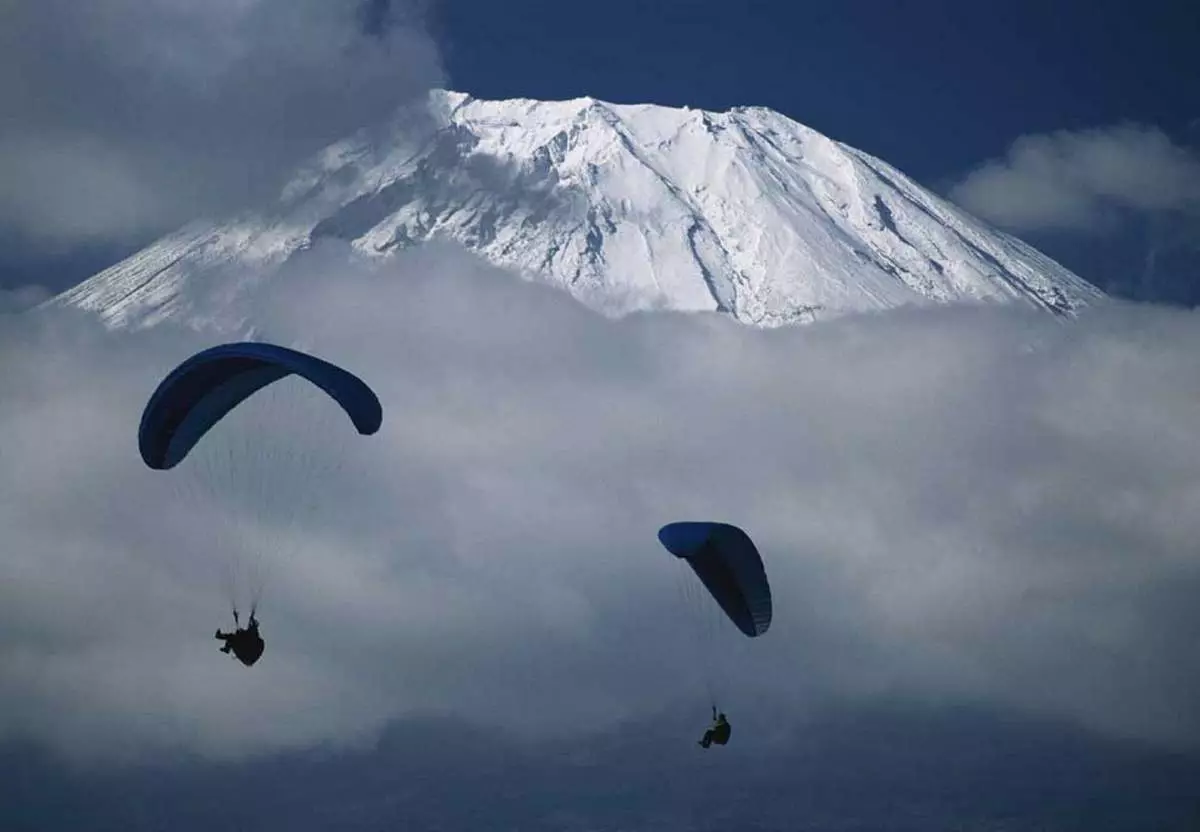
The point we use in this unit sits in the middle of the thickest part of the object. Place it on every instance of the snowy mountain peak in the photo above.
(626, 206)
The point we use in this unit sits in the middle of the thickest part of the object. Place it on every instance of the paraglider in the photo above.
(728, 565)
(198, 394)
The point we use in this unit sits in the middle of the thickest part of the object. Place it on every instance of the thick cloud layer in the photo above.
(1074, 180)
(959, 505)
(124, 117)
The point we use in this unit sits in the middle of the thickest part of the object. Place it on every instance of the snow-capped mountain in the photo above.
(625, 206)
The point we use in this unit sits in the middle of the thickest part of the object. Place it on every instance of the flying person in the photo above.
(246, 644)
(728, 565)
(719, 731)
(193, 399)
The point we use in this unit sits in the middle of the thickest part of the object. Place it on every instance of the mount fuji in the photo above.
(627, 207)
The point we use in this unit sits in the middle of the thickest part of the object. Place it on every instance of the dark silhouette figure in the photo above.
(718, 733)
(246, 644)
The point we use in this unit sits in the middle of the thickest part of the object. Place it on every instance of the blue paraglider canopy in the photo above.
(199, 392)
(725, 560)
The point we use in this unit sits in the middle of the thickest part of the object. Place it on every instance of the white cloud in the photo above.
(108, 195)
(129, 116)
(1072, 179)
(21, 298)
(978, 505)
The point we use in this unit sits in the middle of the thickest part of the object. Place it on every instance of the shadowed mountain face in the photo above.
(899, 768)
(627, 207)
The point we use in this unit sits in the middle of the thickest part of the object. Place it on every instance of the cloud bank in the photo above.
(977, 506)
(127, 117)
(1076, 180)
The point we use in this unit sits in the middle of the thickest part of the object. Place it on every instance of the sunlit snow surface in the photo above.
(628, 207)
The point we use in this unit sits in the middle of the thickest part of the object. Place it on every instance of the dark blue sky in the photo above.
(934, 87)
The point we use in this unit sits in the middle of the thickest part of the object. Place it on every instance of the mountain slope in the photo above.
(625, 206)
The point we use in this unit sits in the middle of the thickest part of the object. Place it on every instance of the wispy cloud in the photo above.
(128, 116)
(1075, 180)
(22, 298)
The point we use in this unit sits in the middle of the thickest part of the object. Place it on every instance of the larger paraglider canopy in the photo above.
(201, 390)
(725, 560)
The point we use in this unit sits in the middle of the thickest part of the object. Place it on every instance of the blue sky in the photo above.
(934, 87)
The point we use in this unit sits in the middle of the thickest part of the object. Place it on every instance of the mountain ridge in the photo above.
(625, 206)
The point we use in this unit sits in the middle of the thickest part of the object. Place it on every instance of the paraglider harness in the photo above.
(245, 644)
(718, 733)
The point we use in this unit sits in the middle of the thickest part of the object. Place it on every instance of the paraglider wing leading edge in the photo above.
(201, 390)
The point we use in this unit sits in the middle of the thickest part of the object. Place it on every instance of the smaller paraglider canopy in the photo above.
(199, 392)
(727, 563)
